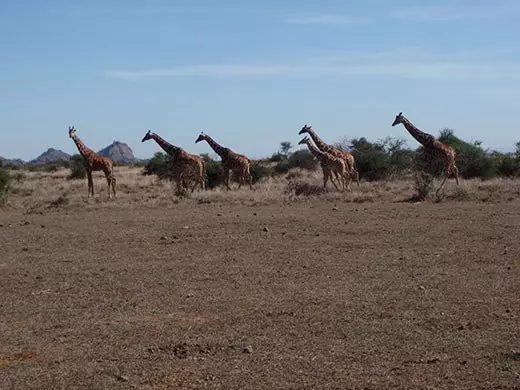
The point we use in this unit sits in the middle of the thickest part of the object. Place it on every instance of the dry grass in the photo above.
(38, 191)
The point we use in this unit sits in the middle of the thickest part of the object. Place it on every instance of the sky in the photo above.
(252, 73)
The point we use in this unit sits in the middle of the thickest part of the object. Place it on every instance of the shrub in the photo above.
(299, 159)
(379, 160)
(423, 185)
(77, 168)
(5, 185)
(157, 165)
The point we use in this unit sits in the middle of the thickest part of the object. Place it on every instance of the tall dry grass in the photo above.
(40, 191)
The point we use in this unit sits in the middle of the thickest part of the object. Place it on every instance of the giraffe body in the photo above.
(95, 162)
(329, 164)
(234, 162)
(184, 165)
(324, 147)
(434, 147)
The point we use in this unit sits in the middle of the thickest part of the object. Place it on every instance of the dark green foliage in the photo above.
(379, 160)
(5, 184)
(77, 168)
(157, 165)
(259, 171)
(213, 171)
(299, 159)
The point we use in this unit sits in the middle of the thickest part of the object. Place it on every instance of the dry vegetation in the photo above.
(37, 191)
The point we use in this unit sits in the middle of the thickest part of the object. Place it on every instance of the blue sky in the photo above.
(250, 74)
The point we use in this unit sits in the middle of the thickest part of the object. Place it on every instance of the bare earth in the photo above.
(302, 295)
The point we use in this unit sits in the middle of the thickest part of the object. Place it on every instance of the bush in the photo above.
(5, 185)
(157, 165)
(379, 160)
(299, 159)
(77, 168)
(423, 184)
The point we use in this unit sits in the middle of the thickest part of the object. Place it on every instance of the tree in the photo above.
(285, 148)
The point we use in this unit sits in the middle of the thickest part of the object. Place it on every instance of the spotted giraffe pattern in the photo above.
(239, 164)
(329, 164)
(95, 162)
(324, 147)
(184, 165)
(434, 147)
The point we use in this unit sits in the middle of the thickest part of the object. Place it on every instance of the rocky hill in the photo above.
(50, 156)
(13, 162)
(119, 152)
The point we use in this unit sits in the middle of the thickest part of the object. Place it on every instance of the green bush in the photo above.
(77, 168)
(299, 159)
(157, 165)
(379, 160)
(5, 185)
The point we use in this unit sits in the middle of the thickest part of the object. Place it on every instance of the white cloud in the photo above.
(455, 12)
(326, 19)
(405, 63)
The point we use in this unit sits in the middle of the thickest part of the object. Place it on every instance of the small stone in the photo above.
(219, 215)
(42, 226)
(163, 238)
(2, 225)
(123, 378)
(335, 208)
(422, 288)
(255, 214)
(25, 223)
(25, 249)
(248, 349)
(265, 229)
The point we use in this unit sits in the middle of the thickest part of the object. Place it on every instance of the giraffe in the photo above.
(95, 162)
(348, 157)
(434, 146)
(329, 164)
(231, 161)
(186, 163)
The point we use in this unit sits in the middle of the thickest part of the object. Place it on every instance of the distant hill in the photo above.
(16, 162)
(50, 156)
(119, 152)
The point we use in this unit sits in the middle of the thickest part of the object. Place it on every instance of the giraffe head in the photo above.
(398, 119)
(201, 137)
(305, 129)
(304, 140)
(147, 136)
(72, 131)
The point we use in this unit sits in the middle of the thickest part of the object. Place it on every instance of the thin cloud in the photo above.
(326, 19)
(447, 13)
(426, 70)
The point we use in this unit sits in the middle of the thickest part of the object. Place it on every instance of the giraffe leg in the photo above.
(109, 183)
(329, 175)
(114, 185)
(250, 177)
(455, 171)
(226, 179)
(441, 187)
(355, 172)
(90, 184)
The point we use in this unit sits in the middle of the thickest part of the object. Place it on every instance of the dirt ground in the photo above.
(303, 295)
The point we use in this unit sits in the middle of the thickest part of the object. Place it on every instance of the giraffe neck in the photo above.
(220, 150)
(316, 152)
(420, 136)
(319, 142)
(166, 146)
(82, 148)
